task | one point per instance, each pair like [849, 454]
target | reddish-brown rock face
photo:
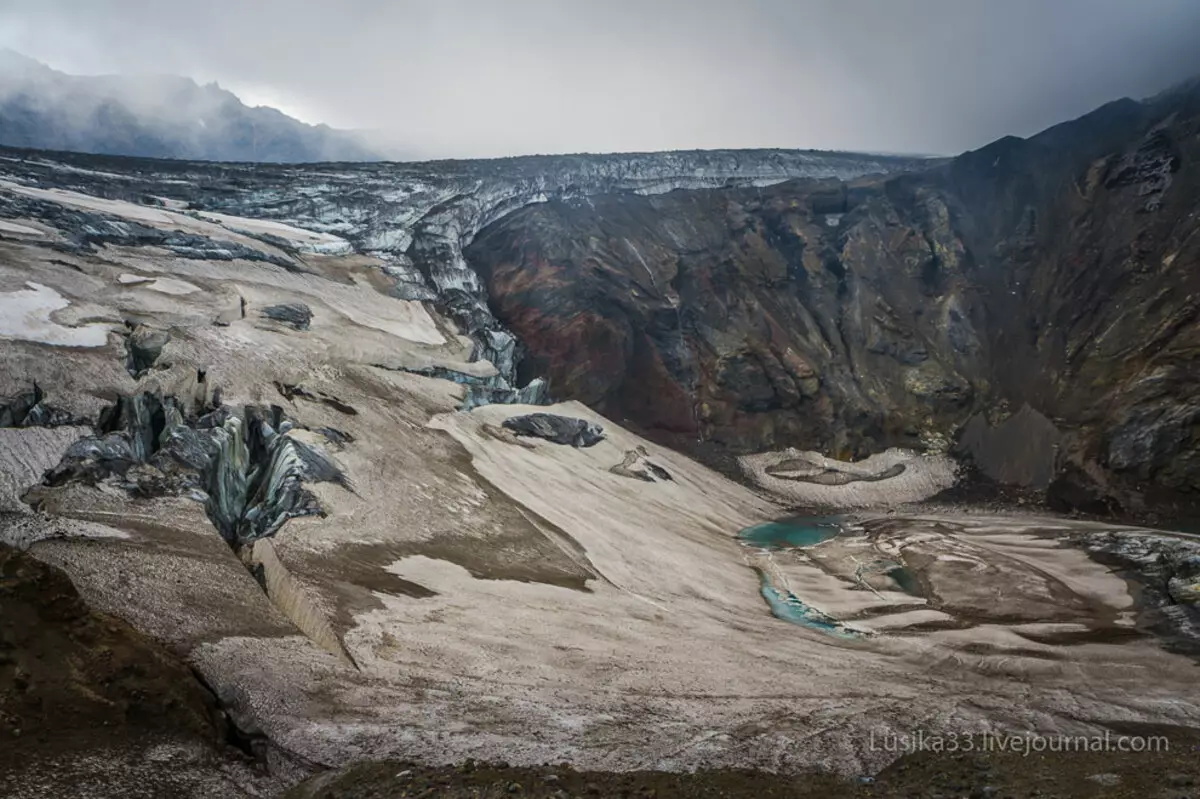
[741, 318]
[1061, 271]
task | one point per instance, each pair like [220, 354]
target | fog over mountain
[466, 78]
[160, 116]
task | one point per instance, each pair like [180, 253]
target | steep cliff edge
[1058, 271]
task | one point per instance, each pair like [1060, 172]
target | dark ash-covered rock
[297, 315]
[559, 429]
[1073, 490]
[29, 409]
[1059, 272]
[1022, 450]
[67, 670]
[143, 348]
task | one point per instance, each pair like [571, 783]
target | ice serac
[241, 461]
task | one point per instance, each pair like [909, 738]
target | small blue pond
[802, 531]
[787, 606]
[798, 532]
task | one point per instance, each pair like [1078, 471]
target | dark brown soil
[73, 679]
[1171, 774]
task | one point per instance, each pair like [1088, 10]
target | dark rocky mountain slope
[1059, 272]
[156, 117]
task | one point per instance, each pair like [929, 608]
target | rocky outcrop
[559, 429]
[67, 671]
[1021, 450]
[296, 315]
[744, 319]
[91, 706]
[1074, 490]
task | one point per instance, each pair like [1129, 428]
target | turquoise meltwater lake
[795, 533]
[787, 606]
[801, 531]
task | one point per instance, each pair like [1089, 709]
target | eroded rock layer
[89, 706]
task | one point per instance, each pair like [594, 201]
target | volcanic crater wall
[1059, 272]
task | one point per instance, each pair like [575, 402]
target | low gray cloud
[474, 78]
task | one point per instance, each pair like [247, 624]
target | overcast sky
[501, 77]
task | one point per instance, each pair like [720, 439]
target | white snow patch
[163, 285]
[25, 315]
[169, 285]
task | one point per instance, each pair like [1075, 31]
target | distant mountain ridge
[157, 117]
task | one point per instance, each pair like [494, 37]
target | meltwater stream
[787, 534]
